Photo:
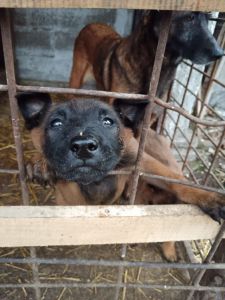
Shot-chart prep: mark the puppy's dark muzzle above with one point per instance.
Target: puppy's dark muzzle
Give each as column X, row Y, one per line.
column 84, row 147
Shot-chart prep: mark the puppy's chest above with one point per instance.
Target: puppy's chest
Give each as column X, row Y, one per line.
column 103, row 192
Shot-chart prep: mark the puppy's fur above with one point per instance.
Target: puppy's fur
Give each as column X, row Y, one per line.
column 83, row 140
column 125, row 64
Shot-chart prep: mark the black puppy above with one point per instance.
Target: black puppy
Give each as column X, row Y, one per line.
column 83, row 140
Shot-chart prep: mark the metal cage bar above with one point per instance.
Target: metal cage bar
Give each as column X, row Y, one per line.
column 12, row 88
column 11, row 80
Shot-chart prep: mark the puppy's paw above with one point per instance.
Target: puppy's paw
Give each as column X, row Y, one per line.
column 169, row 251
column 39, row 172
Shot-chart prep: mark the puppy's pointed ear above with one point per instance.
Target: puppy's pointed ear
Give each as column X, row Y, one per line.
column 33, row 107
column 131, row 112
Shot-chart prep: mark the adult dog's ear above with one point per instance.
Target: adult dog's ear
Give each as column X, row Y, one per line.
column 131, row 112
column 33, row 107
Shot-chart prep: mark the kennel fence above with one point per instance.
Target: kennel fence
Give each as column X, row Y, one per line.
column 209, row 168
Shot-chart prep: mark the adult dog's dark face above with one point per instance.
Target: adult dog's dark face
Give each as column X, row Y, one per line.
column 190, row 37
column 81, row 138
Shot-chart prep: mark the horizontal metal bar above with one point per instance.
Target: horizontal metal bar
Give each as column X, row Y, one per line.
column 9, row 171
column 217, row 19
column 113, row 285
column 207, row 167
column 183, row 182
column 199, row 99
column 95, row 93
column 112, row 263
column 198, row 154
column 206, row 188
column 3, row 87
column 211, row 140
column 205, row 74
column 143, row 174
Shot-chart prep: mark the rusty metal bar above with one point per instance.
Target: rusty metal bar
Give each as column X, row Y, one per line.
column 182, row 159
column 95, row 93
column 182, row 102
column 187, row 166
column 163, row 36
column 161, row 120
column 11, row 80
column 113, row 263
column 210, row 139
column 159, row 123
column 120, row 272
column 214, row 157
column 205, row 74
column 199, row 99
column 144, row 174
column 122, row 264
column 113, row 285
column 199, row 115
column 3, row 88
column 10, row 73
column 9, row 171
column 208, row 259
column 166, row 179
column 159, row 56
column 207, row 167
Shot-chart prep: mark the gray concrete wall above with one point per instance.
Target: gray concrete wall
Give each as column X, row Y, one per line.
column 44, row 39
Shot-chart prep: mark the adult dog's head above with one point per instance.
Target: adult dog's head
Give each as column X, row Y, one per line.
column 189, row 36
column 82, row 140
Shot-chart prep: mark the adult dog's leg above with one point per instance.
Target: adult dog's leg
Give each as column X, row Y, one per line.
column 81, row 65
column 211, row 202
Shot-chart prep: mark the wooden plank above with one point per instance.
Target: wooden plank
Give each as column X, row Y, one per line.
column 81, row 225
column 200, row 5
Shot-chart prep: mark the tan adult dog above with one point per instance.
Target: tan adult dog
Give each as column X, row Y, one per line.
column 125, row 64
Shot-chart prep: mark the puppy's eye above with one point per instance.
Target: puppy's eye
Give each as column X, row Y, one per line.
column 56, row 123
column 107, row 122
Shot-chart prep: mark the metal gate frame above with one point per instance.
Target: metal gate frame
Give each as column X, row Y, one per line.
column 12, row 88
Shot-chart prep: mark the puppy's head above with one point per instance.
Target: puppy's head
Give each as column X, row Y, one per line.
column 82, row 139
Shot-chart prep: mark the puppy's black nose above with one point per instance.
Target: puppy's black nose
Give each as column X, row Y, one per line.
column 84, row 147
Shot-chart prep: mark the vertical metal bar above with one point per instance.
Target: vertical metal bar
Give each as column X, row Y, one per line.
column 10, row 74
column 159, row 122
column 214, row 157
column 208, row 259
column 160, row 126
column 35, row 274
column 163, row 36
column 182, row 103
column 199, row 115
column 120, row 272
column 11, row 81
